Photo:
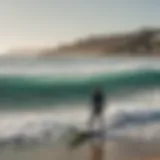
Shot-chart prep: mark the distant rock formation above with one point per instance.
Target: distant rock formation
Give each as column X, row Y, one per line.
column 141, row 42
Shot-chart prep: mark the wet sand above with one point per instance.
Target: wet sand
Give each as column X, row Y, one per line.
column 113, row 151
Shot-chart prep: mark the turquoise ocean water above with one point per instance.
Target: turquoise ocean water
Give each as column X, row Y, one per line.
column 41, row 97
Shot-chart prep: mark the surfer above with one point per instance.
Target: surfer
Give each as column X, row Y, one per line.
column 98, row 99
column 97, row 152
column 97, row 109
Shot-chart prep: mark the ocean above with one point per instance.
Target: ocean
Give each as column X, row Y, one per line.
column 42, row 98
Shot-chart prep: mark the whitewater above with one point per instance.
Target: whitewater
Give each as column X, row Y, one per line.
column 41, row 99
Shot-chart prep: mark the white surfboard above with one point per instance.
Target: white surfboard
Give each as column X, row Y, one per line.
column 79, row 137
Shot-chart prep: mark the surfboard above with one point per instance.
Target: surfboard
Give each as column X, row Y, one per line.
column 80, row 137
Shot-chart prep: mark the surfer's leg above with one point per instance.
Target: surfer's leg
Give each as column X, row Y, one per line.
column 91, row 122
column 101, row 122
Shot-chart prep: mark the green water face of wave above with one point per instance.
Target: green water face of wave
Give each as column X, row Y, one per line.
column 16, row 90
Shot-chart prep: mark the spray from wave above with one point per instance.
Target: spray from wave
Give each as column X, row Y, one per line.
column 26, row 89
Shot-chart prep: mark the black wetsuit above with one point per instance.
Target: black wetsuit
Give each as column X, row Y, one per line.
column 98, row 103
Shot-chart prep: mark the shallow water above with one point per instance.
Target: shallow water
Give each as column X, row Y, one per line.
column 41, row 99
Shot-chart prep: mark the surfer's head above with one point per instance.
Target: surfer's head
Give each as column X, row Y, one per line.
column 98, row 89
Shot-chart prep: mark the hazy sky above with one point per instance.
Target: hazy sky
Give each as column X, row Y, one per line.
column 29, row 23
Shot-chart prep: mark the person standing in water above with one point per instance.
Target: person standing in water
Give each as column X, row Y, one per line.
column 98, row 103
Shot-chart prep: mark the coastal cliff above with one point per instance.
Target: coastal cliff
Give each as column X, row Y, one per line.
column 139, row 42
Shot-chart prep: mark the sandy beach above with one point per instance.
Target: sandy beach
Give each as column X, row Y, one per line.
column 112, row 151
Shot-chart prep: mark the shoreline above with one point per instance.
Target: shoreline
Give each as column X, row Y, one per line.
column 113, row 150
